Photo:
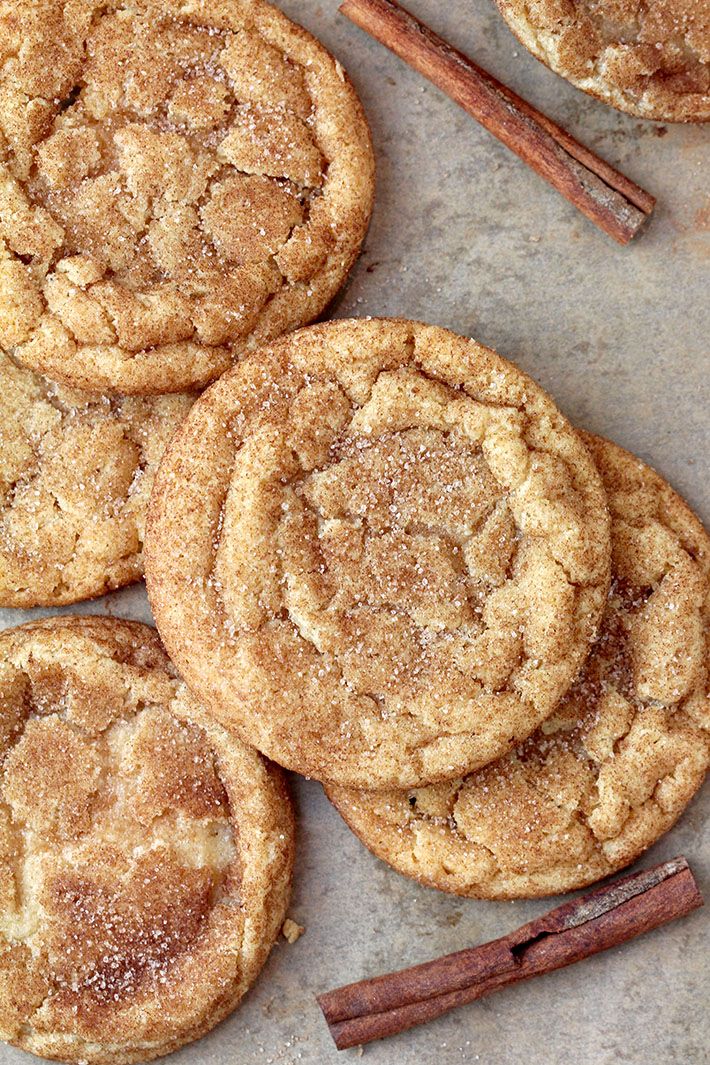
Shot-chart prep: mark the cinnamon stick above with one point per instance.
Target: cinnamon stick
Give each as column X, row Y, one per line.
column 612, row 201
column 386, row 1005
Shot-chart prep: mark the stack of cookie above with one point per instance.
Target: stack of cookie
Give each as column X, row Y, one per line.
column 179, row 182
column 379, row 553
column 173, row 192
column 376, row 552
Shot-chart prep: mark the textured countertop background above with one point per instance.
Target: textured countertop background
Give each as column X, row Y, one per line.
column 465, row 236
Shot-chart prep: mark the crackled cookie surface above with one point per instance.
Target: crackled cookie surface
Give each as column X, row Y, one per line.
column 379, row 551
column 648, row 57
column 146, row 853
column 615, row 766
column 76, row 470
column 178, row 182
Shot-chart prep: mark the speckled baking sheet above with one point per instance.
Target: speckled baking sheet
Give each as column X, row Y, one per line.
column 466, row 236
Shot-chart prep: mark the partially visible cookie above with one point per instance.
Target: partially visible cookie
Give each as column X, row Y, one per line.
column 76, row 471
column 146, row 852
column 648, row 57
column 379, row 552
column 615, row 766
column 179, row 182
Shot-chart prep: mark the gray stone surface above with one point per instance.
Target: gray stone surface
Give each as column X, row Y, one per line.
column 466, row 236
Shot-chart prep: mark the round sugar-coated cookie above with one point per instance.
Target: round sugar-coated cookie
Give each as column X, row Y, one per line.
column 180, row 181
column 146, row 852
column 617, row 763
column 379, row 552
column 648, row 57
column 76, row 470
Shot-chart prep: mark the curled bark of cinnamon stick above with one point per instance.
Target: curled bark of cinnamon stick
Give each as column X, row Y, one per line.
column 372, row 1009
column 613, row 202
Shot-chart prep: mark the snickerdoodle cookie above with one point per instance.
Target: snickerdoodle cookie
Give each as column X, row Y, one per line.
column 179, row 181
column 76, row 470
column 616, row 765
column 648, row 57
column 379, row 552
column 146, row 852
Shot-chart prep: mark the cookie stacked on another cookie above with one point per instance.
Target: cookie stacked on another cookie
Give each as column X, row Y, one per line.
column 379, row 552
column 615, row 766
column 76, row 472
column 146, row 852
column 178, row 182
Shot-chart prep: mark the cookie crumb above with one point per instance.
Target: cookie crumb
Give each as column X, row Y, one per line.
column 292, row 931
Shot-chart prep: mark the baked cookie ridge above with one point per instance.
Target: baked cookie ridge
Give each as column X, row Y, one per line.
column 378, row 551
column 616, row 764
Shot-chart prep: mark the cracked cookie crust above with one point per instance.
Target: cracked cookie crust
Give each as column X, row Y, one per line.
column 378, row 551
column 179, row 182
column 615, row 766
column 650, row 58
column 76, row 471
column 146, row 852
